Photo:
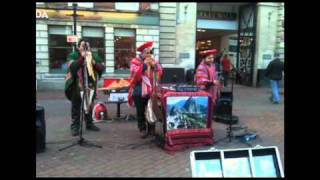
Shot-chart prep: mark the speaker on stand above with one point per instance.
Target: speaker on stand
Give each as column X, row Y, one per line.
column 40, row 130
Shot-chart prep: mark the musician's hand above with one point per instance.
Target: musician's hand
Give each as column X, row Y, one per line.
column 217, row 83
column 150, row 61
column 153, row 63
column 82, row 53
column 93, row 62
column 147, row 61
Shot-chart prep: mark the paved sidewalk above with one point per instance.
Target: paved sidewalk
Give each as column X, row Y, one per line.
column 117, row 159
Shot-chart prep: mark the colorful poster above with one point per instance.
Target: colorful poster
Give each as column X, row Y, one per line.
column 187, row 112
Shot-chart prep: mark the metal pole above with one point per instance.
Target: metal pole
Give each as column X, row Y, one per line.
column 74, row 15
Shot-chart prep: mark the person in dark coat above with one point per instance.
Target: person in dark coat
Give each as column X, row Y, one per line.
column 274, row 73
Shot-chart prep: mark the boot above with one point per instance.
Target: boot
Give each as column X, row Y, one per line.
column 151, row 129
column 74, row 131
column 144, row 134
column 75, row 128
column 90, row 126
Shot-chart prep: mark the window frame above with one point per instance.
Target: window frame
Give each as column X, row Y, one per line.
column 129, row 10
column 61, row 71
column 103, row 39
column 124, row 71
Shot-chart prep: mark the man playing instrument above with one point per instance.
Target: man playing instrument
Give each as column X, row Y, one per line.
column 142, row 69
column 206, row 75
column 74, row 83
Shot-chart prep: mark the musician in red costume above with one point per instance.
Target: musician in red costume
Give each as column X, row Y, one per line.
column 206, row 75
column 142, row 69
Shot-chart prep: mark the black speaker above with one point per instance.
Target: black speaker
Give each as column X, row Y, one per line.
column 190, row 76
column 40, row 130
column 173, row 75
column 226, row 93
column 224, row 107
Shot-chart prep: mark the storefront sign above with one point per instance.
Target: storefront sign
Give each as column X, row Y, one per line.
column 101, row 16
column 41, row 14
column 217, row 15
column 72, row 39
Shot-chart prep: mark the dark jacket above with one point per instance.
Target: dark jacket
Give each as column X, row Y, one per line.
column 274, row 69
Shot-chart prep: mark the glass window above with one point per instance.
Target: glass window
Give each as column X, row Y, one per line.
column 95, row 36
column 127, row 6
column 105, row 5
column 83, row 5
column 149, row 6
column 59, row 5
column 145, row 6
column 154, row 6
column 124, row 48
column 59, row 48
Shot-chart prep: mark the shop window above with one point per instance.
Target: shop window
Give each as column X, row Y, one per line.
column 95, row 36
column 60, row 5
column 124, row 48
column 154, row 6
column 59, row 48
column 127, row 6
column 145, row 6
column 105, row 5
column 149, row 6
column 83, row 5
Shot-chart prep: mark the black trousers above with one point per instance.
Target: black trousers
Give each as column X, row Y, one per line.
column 76, row 110
column 225, row 77
column 140, row 104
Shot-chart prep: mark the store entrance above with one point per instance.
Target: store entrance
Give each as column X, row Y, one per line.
column 222, row 40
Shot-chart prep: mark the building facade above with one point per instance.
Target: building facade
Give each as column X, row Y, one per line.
column 179, row 32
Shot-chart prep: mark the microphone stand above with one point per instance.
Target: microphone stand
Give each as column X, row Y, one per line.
column 82, row 141
column 231, row 121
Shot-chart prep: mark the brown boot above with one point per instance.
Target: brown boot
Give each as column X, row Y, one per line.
column 151, row 130
column 144, row 134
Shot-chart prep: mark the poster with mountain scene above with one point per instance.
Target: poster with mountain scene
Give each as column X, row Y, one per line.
column 187, row 112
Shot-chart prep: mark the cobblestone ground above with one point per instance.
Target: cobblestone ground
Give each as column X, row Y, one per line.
column 118, row 159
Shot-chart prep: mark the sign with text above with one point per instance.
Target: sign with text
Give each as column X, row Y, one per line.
column 72, row 38
column 41, row 14
column 217, row 15
column 117, row 97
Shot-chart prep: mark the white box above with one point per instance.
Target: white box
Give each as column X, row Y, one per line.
column 242, row 162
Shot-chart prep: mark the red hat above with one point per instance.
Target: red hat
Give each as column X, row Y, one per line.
column 145, row 45
column 208, row 52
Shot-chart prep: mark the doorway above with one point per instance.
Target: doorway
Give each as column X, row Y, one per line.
column 220, row 39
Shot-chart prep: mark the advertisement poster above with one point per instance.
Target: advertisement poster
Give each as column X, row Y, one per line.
column 187, row 112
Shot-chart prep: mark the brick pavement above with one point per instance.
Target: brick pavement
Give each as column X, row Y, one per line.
column 117, row 159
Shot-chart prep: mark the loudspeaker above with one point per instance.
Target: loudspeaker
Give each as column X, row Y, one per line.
column 40, row 130
column 226, row 93
column 223, row 107
column 173, row 75
column 190, row 76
